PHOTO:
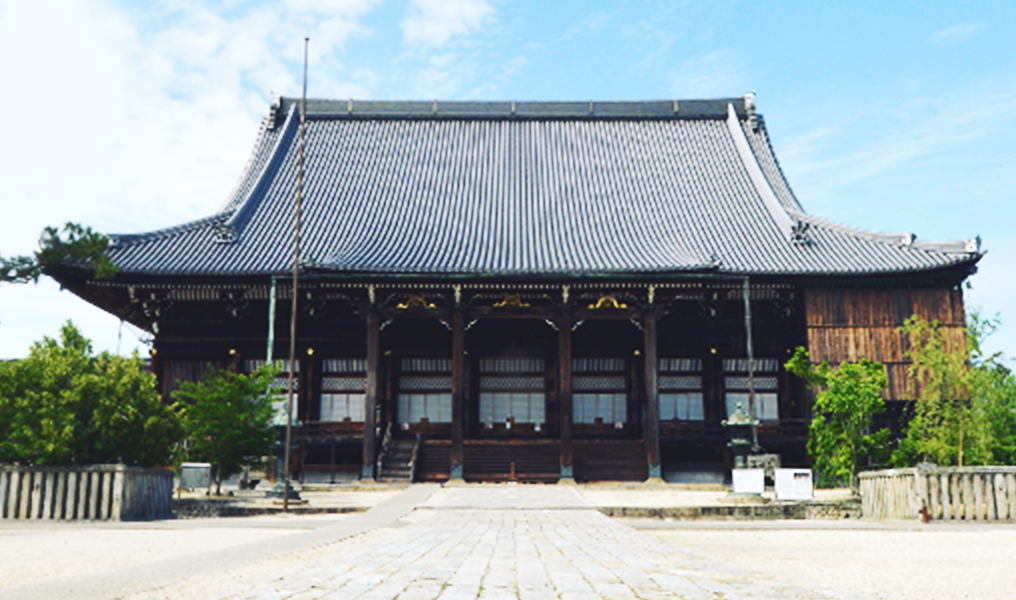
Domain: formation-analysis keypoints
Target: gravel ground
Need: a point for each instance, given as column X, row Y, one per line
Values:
column 674, row 496
column 831, row 559
column 39, row 551
column 894, row 562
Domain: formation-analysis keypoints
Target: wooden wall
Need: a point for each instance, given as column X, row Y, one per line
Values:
column 848, row 325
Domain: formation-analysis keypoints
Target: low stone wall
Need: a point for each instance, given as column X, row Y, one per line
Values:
column 946, row 493
column 93, row 492
column 843, row 509
column 192, row 508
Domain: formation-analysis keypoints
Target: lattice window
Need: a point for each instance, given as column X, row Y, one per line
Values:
column 344, row 365
column 420, row 382
column 766, row 405
column 740, row 365
column 681, row 395
column 609, row 408
column 507, row 382
column 598, row 365
column 521, row 407
column 512, row 365
column 343, row 384
column 342, row 389
column 607, row 382
column 426, row 365
column 741, row 383
column 339, row 407
column 680, row 382
column 681, row 406
column 680, row 365
column 513, row 388
column 736, row 387
column 435, row 407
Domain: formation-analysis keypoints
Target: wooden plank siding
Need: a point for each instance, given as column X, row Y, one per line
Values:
column 848, row 325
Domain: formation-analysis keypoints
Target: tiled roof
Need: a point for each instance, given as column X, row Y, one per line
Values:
column 502, row 188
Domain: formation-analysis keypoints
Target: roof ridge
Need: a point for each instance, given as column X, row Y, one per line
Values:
column 267, row 124
column 764, row 134
column 790, row 227
column 229, row 230
column 714, row 108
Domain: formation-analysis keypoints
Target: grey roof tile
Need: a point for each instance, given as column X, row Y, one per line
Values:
column 564, row 188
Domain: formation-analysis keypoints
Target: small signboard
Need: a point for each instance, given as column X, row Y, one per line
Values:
column 195, row 475
column 793, row 484
column 748, row 481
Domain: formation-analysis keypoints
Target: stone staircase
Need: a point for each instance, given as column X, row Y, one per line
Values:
column 397, row 461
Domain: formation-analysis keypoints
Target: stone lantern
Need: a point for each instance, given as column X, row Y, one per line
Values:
column 740, row 426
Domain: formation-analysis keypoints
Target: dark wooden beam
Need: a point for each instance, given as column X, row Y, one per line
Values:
column 458, row 392
column 564, row 391
column 651, row 429
column 528, row 312
column 370, row 402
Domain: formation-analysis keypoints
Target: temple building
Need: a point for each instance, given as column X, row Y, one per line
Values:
column 527, row 290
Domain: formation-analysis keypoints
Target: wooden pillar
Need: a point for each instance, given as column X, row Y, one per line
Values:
column 651, row 429
column 370, row 401
column 458, row 393
column 564, row 389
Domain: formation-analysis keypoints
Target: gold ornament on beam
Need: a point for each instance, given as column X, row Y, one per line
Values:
column 415, row 302
column 512, row 300
column 608, row 302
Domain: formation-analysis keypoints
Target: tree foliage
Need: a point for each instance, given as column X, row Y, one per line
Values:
column 82, row 247
column 840, row 439
column 946, row 426
column 63, row 405
column 228, row 419
column 965, row 412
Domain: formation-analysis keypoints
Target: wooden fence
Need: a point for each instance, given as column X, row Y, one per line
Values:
column 94, row 492
column 948, row 493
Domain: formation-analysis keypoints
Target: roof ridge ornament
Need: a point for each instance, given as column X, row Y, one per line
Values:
column 749, row 107
column 274, row 112
column 224, row 233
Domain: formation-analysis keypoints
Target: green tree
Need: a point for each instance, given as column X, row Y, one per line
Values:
column 63, row 405
column 82, row 247
column 840, row 439
column 228, row 419
column 949, row 421
column 995, row 389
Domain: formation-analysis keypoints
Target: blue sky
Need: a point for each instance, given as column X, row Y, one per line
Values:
column 126, row 116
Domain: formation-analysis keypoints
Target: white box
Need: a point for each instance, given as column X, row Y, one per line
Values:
column 748, row 481
column 793, row 484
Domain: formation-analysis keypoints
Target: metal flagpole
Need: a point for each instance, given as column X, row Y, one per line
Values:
column 296, row 274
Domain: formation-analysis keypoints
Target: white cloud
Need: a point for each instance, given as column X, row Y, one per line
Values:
column 922, row 127
column 719, row 73
column 435, row 22
column 957, row 33
column 131, row 121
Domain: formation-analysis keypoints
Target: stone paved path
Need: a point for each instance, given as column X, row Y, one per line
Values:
column 519, row 542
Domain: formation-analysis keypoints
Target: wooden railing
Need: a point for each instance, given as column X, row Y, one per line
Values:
column 946, row 493
column 94, row 492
